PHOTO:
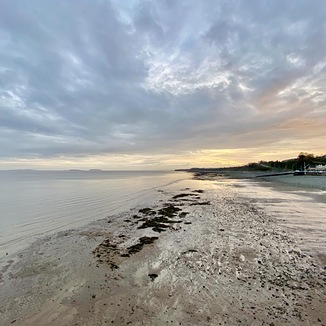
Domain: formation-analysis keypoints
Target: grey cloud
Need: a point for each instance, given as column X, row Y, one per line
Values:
column 79, row 78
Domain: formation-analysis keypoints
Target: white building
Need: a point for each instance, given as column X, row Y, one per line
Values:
column 317, row 168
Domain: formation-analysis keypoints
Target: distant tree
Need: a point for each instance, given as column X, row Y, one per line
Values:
column 321, row 159
column 298, row 163
column 305, row 159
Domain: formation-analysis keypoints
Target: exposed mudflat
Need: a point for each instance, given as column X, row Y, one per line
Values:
column 201, row 256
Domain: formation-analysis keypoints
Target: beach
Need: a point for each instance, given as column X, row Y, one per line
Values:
column 207, row 251
column 307, row 181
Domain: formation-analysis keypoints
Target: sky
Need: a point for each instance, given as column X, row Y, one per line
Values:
column 160, row 84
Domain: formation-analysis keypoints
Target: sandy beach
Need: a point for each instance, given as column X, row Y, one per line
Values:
column 307, row 181
column 203, row 254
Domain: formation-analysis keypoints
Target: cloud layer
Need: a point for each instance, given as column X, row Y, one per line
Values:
column 84, row 79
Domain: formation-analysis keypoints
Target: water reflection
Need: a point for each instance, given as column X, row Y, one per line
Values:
column 38, row 202
column 303, row 211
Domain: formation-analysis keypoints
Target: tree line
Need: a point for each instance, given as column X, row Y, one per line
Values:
column 303, row 160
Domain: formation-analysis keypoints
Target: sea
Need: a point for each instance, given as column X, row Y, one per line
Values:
column 38, row 203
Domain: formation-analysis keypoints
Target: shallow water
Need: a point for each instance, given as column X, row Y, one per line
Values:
column 34, row 203
column 301, row 210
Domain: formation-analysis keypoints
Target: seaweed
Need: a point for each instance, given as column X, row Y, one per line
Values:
column 182, row 195
column 183, row 214
column 199, row 191
column 139, row 246
column 158, row 223
column 147, row 211
column 200, row 203
column 169, row 210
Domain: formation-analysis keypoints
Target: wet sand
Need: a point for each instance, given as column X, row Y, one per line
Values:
column 305, row 181
column 204, row 254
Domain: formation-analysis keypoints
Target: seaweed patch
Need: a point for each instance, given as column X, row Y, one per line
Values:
column 158, row 219
column 139, row 246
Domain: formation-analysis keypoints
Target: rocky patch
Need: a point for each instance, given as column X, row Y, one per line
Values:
column 159, row 219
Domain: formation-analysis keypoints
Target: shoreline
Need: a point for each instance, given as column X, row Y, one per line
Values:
column 317, row 182
column 306, row 181
column 214, row 258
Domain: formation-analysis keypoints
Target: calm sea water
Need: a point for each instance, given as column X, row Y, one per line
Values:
column 34, row 203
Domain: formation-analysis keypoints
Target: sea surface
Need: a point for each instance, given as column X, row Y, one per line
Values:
column 36, row 203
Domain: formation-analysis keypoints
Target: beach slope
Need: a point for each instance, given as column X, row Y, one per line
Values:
column 200, row 256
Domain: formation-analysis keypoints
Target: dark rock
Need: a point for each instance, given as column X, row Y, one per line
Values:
column 153, row 276
column 113, row 266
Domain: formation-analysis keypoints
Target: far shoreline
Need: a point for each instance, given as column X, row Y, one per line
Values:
column 317, row 182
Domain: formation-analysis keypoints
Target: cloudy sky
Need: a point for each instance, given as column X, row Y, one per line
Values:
column 160, row 83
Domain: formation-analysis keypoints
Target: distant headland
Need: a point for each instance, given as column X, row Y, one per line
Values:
column 303, row 162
